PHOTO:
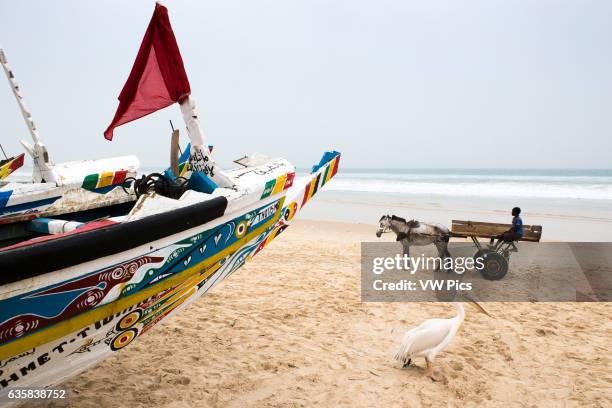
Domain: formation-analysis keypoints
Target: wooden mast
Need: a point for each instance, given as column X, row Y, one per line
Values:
column 42, row 171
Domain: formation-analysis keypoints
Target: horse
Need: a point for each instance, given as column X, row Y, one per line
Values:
column 416, row 233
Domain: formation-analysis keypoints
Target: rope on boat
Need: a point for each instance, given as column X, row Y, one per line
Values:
column 158, row 183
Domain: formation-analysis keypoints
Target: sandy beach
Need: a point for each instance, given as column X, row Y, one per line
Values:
column 289, row 329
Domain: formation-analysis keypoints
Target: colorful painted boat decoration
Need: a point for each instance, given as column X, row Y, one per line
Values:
column 60, row 188
column 10, row 164
column 106, row 282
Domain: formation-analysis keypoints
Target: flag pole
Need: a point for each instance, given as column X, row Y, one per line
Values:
column 200, row 157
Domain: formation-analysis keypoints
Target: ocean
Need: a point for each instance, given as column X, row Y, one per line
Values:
column 491, row 183
column 572, row 205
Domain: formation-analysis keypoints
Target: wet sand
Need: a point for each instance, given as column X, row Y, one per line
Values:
column 570, row 220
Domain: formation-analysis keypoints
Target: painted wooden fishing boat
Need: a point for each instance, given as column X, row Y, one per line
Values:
column 10, row 164
column 69, row 299
column 77, row 188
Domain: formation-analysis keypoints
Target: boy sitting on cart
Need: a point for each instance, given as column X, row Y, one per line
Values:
column 515, row 232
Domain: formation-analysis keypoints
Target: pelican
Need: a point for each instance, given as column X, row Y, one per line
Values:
column 431, row 337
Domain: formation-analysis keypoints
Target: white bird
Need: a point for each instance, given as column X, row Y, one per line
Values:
column 431, row 337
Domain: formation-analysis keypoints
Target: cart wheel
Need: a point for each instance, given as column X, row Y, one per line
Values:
column 495, row 266
column 480, row 253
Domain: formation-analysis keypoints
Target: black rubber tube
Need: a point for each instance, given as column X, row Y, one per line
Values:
column 48, row 256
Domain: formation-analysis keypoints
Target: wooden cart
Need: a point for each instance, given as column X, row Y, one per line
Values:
column 496, row 256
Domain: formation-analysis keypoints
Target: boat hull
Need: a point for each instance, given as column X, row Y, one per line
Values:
column 55, row 331
column 82, row 186
column 10, row 165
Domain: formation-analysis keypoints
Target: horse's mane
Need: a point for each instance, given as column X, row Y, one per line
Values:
column 410, row 224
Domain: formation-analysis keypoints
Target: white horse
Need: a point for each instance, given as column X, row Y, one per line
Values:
column 416, row 233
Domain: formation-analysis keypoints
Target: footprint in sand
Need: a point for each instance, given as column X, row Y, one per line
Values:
column 456, row 368
column 473, row 363
column 456, row 365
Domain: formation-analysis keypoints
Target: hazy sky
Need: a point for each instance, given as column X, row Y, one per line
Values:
column 388, row 83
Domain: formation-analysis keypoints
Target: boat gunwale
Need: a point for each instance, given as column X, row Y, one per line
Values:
column 71, row 249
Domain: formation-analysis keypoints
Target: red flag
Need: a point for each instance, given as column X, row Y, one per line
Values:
column 158, row 77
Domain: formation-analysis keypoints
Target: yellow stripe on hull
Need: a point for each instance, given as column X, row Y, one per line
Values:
column 106, row 179
column 331, row 170
column 280, row 184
